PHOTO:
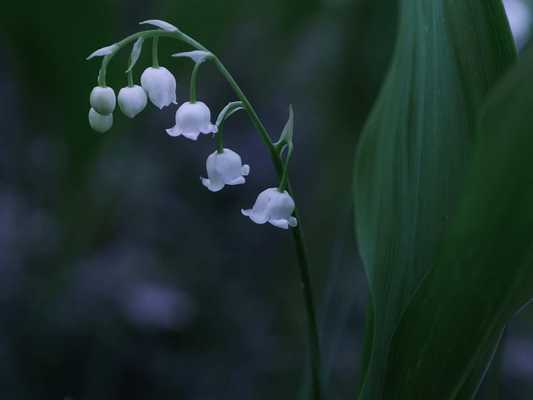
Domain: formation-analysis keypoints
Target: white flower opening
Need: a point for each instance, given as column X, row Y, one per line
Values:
column 191, row 120
column 223, row 169
column 274, row 207
column 160, row 85
column 132, row 100
column 103, row 100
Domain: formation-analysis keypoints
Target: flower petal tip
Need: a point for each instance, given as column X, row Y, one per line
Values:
column 293, row 222
column 212, row 187
column 237, row 181
column 280, row 223
column 173, row 132
column 191, row 135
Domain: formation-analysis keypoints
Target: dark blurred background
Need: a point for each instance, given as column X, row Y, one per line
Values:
column 121, row 276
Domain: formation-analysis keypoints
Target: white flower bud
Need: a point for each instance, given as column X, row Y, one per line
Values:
column 132, row 100
column 160, row 85
column 191, row 120
column 275, row 207
column 224, row 169
column 100, row 123
column 103, row 100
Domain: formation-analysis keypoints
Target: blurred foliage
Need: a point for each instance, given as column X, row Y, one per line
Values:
column 483, row 275
column 442, row 203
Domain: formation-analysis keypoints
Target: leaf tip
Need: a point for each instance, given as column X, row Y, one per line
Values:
column 160, row 24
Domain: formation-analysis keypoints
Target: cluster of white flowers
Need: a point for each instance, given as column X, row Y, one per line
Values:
column 157, row 84
column 224, row 166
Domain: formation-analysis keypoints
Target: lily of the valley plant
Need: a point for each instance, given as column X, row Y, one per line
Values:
column 193, row 120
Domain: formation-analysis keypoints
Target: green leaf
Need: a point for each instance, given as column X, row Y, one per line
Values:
column 160, row 24
column 479, row 368
column 104, row 51
column 484, row 273
column 288, row 130
column 415, row 149
column 198, row 56
column 135, row 53
column 228, row 111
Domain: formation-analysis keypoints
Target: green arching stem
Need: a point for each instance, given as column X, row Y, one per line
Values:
column 155, row 52
column 312, row 323
column 130, row 79
column 285, row 175
column 275, row 154
column 219, row 138
column 283, row 182
column 297, row 232
column 130, row 76
column 194, row 81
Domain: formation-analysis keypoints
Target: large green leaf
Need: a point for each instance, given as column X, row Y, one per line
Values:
column 484, row 273
column 415, row 149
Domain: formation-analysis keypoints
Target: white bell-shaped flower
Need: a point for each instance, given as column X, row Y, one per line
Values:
column 160, row 85
column 275, row 207
column 191, row 120
column 100, row 123
column 224, row 168
column 132, row 100
column 103, row 100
